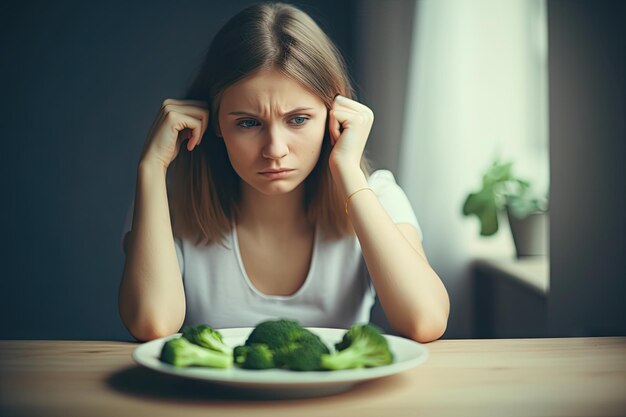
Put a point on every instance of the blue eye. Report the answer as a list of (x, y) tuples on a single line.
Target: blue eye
[(300, 120), (247, 123)]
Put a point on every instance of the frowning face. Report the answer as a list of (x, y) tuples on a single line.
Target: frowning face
[(273, 129)]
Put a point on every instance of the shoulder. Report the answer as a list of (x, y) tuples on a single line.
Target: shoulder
[(381, 180), (393, 198)]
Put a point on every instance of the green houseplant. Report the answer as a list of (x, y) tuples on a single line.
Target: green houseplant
[(503, 191)]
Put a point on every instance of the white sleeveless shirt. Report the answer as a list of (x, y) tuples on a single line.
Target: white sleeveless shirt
[(337, 291)]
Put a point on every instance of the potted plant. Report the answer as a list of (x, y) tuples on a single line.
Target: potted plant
[(527, 212)]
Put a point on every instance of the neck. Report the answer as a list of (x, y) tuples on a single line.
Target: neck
[(278, 215)]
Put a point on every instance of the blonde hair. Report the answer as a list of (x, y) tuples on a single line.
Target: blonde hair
[(204, 191)]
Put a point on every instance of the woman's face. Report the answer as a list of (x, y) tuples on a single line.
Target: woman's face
[(273, 129)]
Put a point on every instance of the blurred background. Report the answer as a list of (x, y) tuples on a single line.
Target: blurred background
[(455, 85)]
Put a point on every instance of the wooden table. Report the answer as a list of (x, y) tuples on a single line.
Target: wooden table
[(510, 377)]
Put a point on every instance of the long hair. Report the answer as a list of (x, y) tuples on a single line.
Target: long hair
[(204, 188)]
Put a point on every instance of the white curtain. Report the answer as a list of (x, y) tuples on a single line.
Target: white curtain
[(477, 89)]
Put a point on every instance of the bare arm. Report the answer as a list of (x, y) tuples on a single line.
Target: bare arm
[(412, 295), (151, 294), (151, 298), (410, 291)]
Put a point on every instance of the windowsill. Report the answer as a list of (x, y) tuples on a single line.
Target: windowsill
[(533, 272)]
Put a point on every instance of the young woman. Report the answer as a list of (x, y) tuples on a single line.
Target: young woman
[(268, 211)]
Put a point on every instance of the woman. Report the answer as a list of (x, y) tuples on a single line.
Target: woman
[(269, 211)]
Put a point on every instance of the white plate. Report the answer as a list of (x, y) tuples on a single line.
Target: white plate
[(281, 382)]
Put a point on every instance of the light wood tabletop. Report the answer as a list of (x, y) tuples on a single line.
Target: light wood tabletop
[(506, 377)]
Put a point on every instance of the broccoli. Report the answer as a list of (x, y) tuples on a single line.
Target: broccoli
[(293, 346), (275, 333), (362, 346), (303, 355), (240, 353), (205, 336), (181, 352), (255, 356)]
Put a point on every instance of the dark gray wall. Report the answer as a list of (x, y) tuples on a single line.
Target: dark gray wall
[(82, 82), (588, 167)]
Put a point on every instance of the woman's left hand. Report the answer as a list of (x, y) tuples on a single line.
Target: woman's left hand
[(349, 123)]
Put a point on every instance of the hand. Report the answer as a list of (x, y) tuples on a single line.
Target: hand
[(177, 121), (350, 123)]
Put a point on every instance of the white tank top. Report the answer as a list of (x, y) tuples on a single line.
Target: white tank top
[(337, 291)]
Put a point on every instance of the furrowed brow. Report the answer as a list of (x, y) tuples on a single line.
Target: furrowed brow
[(244, 113)]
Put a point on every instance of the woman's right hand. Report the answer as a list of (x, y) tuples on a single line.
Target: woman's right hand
[(177, 121)]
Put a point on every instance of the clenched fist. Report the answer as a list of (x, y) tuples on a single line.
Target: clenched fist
[(177, 121)]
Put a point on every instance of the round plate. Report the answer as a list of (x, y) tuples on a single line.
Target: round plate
[(281, 382)]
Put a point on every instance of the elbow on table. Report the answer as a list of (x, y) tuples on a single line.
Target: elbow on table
[(148, 335), (149, 324), (148, 332), (426, 332)]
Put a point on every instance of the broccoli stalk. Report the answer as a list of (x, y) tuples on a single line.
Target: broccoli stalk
[(363, 346), (181, 352), (203, 335)]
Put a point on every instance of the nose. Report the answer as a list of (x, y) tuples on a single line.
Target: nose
[(275, 146)]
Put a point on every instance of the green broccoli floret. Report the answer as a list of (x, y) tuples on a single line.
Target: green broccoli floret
[(362, 346), (181, 352), (240, 353), (205, 336), (293, 346), (275, 333), (255, 356), (303, 355)]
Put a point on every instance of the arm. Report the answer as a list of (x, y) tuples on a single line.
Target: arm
[(411, 294), (152, 296)]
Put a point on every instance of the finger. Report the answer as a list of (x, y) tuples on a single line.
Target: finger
[(198, 113), (198, 103), (340, 106), (343, 116), (351, 104), (179, 122), (333, 128), (351, 118)]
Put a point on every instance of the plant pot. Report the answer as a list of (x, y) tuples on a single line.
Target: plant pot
[(530, 234)]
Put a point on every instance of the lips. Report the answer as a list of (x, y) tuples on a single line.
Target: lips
[(274, 170), (276, 173)]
